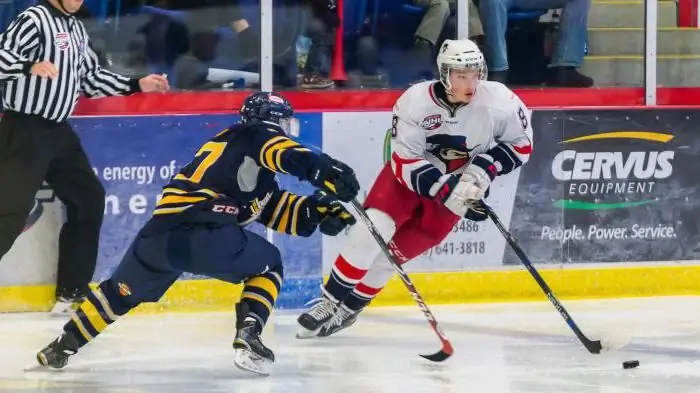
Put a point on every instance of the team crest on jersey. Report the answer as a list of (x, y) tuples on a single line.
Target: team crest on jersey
[(432, 122), (60, 39), (452, 150)]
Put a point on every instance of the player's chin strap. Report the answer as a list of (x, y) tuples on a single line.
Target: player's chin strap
[(447, 349), (593, 346)]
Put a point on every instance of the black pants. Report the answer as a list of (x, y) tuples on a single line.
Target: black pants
[(33, 149)]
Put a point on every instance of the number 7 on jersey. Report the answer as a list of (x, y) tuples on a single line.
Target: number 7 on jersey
[(213, 151)]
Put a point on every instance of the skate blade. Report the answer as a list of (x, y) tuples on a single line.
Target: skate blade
[(36, 367), (247, 361), (305, 334)]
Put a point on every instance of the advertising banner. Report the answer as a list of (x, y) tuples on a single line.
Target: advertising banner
[(358, 140), (610, 186), (601, 186)]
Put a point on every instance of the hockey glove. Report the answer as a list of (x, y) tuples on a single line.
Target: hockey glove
[(463, 198), (478, 176), (448, 191), (336, 177), (476, 211), (333, 216)]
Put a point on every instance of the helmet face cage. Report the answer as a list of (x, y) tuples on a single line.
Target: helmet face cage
[(445, 68)]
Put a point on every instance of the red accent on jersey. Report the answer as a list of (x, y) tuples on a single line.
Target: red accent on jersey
[(400, 162), (527, 149)]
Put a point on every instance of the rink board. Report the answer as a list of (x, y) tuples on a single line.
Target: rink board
[(436, 288), (602, 187)]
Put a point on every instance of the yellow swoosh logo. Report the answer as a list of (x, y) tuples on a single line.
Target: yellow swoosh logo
[(644, 135)]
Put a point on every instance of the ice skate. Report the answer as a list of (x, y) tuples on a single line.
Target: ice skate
[(56, 354), (321, 311), (343, 318), (250, 353)]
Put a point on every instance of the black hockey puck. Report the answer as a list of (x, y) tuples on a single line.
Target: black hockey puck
[(630, 364)]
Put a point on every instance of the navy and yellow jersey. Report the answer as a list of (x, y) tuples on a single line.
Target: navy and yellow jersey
[(240, 164)]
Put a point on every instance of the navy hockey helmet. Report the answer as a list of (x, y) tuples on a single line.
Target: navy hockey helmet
[(270, 107)]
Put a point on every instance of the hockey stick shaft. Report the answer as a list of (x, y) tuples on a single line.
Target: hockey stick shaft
[(593, 346), (447, 349)]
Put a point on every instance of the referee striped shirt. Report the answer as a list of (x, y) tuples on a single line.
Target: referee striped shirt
[(43, 33)]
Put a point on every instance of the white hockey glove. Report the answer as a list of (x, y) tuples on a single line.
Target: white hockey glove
[(450, 191), (460, 196)]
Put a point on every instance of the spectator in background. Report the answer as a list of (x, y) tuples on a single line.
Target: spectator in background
[(322, 17), (166, 38), (430, 28), (286, 29), (568, 48), (193, 71)]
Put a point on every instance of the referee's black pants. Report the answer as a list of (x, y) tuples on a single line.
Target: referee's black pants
[(33, 149)]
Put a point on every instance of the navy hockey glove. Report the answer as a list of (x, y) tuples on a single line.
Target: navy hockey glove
[(336, 177), (333, 216)]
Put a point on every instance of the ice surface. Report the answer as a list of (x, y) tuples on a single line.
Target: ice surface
[(518, 347)]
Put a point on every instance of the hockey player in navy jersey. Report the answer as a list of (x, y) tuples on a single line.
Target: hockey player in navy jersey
[(197, 227)]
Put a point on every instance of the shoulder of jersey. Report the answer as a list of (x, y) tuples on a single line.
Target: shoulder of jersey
[(494, 93), (34, 10), (419, 89), (416, 94)]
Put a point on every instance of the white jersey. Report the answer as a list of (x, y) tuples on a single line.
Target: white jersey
[(430, 137)]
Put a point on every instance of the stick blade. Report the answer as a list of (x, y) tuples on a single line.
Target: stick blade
[(439, 356), (594, 346)]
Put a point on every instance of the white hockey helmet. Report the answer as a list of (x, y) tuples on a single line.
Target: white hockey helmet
[(460, 54)]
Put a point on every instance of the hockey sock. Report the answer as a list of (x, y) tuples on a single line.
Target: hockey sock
[(374, 281), (260, 294), (356, 258), (101, 308)]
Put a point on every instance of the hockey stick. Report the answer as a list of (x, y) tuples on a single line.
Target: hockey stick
[(593, 346), (447, 349)]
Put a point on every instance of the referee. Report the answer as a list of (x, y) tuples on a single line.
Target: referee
[(45, 63)]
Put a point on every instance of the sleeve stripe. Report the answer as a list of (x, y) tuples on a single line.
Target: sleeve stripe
[(524, 150), (99, 82), (266, 161), (272, 150), (278, 208), (279, 149), (295, 215), (285, 216)]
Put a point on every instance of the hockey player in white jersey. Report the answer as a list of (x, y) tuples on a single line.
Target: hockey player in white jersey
[(450, 139)]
